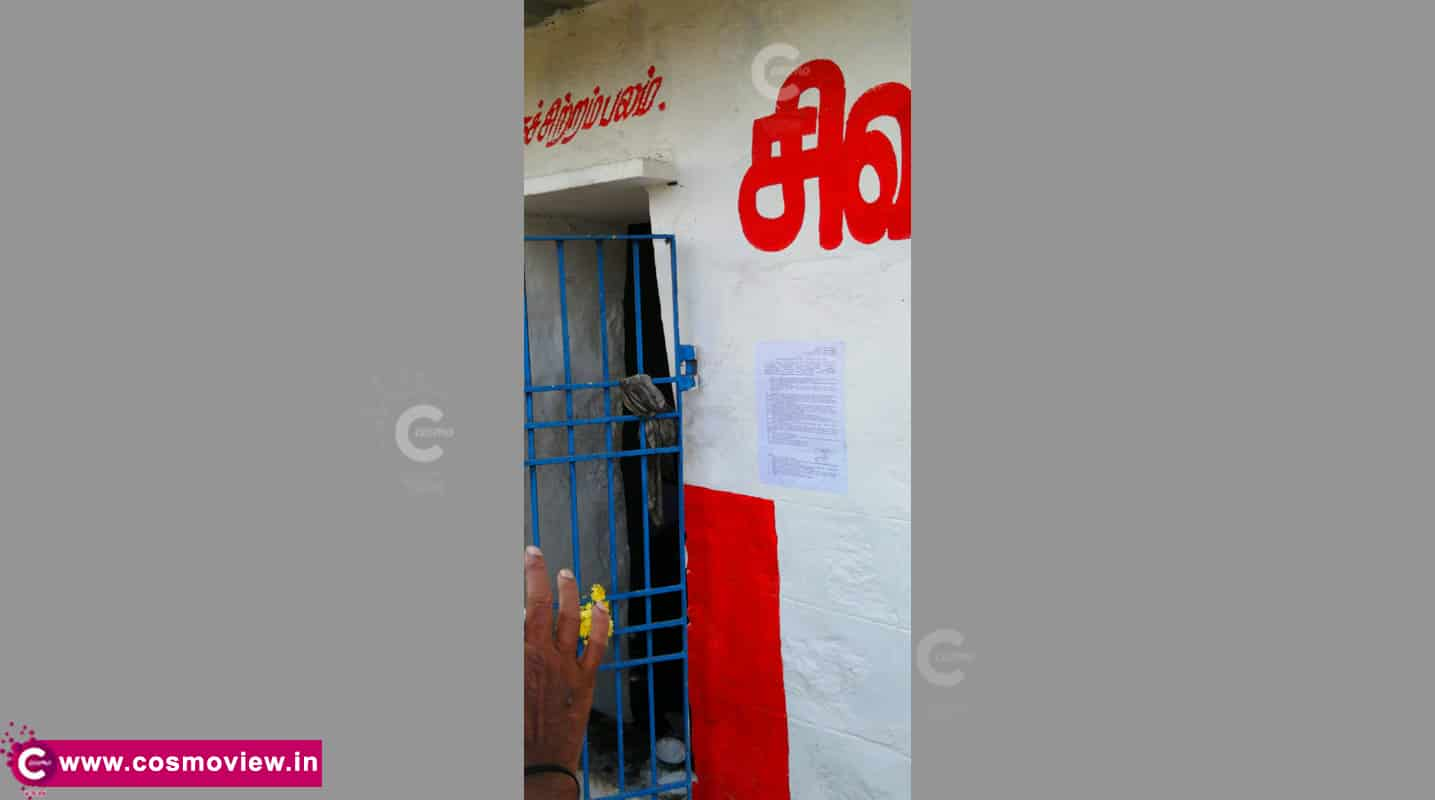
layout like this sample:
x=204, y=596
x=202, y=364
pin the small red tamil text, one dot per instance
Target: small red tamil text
x=565, y=117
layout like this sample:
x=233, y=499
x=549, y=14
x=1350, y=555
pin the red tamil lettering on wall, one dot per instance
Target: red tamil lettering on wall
x=566, y=118
x=836, y=160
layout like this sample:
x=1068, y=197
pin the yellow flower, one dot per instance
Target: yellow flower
x=585, y=624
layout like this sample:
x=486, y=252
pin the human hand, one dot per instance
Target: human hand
x=557, y=683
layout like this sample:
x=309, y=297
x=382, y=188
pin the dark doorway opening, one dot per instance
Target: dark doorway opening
x=658, y=565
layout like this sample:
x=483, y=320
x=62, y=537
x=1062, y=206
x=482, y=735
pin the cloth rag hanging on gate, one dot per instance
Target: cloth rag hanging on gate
x=643, y=399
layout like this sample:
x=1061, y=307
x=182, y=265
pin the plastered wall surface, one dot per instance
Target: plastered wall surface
x=844, y=559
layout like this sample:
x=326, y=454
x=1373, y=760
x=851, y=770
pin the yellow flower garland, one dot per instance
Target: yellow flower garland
x=585, y=624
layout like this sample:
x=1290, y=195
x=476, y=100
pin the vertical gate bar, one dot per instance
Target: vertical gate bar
x=528, y=408
x=568, y=411
x=647, y=537
x=612, y=512
x=682, y=522
x=572, y=466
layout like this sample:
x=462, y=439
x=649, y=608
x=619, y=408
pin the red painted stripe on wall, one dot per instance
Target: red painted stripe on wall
x=738, y=703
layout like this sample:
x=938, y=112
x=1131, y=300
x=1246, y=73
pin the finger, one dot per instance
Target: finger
x=538, y=597
x=597, y=638
x=568, y=614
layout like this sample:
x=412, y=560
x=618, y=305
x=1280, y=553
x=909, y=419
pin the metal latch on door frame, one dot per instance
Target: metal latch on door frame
x=687, y=377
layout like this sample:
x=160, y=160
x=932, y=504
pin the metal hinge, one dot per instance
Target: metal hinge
x=687, y=367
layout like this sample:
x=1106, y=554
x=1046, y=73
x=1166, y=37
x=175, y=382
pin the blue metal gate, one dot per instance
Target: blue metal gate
x=683, y=367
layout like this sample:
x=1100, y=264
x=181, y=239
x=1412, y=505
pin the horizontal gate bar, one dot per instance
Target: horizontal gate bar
x=651, y=626
x=565, y=423
x=648, y=792
x=639, y=662
x=602, y=237
x=651, y=451
x=638, y=594
x=568, y=387
x=654, y=592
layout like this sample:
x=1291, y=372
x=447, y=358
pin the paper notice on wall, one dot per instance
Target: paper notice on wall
x=802, y=431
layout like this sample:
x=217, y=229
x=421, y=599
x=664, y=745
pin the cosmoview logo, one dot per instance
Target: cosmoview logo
x=774, y=60
x=35, y=763
x=40, y=766
x=938, y=653
x=408, y=432
x=411, y=415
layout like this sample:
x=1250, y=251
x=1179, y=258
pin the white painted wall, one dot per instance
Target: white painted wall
x=844, y=560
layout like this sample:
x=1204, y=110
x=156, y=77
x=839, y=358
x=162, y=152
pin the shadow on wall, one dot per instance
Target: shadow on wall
x=536, y=11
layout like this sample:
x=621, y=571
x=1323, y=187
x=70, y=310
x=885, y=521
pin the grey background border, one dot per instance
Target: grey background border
x=1182, y=416
x=1173, y=403
x=232, y=233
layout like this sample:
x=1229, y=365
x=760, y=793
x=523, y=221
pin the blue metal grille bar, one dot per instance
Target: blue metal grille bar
x=640, y=589
x=649, y=661
x=651, y=791
x=647, y=537
x=639, y=593
x=572, y=467
x=679, y=347
x=528, y=410
x=641, y=452
x=602, y=237
x=606, y=384
x=612, y=519
x=652, y=626
x=565, y=423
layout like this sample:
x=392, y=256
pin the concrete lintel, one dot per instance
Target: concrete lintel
x=633, y=172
